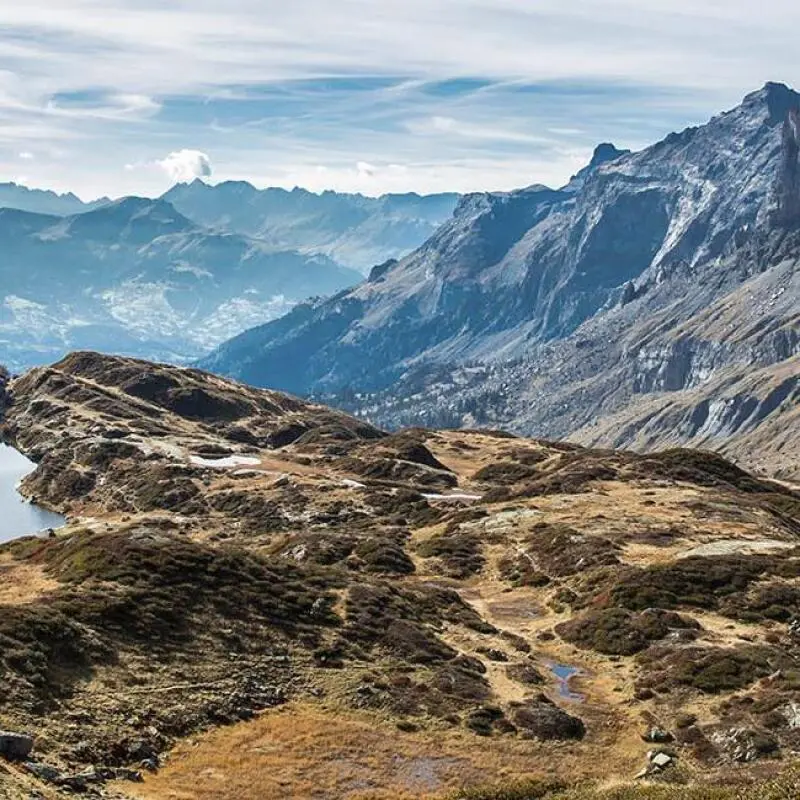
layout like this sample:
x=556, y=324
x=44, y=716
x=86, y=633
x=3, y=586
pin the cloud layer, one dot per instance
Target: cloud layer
x=418, y=94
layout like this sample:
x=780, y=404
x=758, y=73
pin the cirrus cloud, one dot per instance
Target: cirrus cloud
x=484, y=94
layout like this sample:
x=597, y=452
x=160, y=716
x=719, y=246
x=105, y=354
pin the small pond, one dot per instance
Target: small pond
x=564, y=674
x=18, y=517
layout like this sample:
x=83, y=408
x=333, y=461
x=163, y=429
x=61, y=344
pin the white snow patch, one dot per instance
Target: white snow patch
x=452, y=496
x=224, y=463
x=350, y=484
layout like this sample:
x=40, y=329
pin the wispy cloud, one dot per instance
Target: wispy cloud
x=458, y=94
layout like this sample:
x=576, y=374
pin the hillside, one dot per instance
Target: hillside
x=616, y=308
x=259, y=597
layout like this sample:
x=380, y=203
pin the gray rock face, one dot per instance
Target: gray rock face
x=549, y=311
x=15, y=745
x=514, y=269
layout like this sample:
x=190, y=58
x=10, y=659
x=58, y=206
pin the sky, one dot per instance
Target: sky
x=116, y=97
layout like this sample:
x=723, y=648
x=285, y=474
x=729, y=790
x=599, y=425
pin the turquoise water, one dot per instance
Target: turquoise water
x=17, y=517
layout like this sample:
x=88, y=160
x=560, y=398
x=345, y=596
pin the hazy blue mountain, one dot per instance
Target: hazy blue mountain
x=135, y=276
x=40, y=201
x=548, y=309
x=351, y=229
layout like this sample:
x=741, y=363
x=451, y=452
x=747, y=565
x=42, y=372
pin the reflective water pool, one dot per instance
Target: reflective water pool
x=17, y=517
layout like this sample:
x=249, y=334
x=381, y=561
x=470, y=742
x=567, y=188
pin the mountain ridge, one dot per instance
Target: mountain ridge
x=44, y=201
x=667, y=231
x=353, y=229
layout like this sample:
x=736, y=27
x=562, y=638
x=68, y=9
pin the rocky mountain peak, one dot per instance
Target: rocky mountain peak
x=604, y=153
x=778, y=98
x=781, y=101
x=517, y=279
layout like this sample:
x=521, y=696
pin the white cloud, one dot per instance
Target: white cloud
x=183, y=166
x=26, y=155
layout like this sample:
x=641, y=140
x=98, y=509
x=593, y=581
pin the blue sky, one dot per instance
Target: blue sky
x=126, y=96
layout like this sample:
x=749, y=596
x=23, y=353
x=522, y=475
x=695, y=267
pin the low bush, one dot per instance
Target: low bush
x=614, y=631
x=460, y=552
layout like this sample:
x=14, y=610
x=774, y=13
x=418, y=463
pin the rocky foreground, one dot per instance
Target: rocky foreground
x=256, y=597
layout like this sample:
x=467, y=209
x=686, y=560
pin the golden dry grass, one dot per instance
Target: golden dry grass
x=303, y=752
x=22, y=583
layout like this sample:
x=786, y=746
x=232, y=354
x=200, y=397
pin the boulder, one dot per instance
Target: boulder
x=542, y=719
x=660, y=760
x=15, y=745
x=658, y=736
x=43, y=772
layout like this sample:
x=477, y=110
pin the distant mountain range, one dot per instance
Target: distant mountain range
x=138, y=277
x=351, y=229
x=40, y=201
x=654, y=299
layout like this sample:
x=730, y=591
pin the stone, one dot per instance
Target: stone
x=661, y=760
x=493, y=654
x=15, y=745
x=658, y=736
x=43, y=772
x=131, y=775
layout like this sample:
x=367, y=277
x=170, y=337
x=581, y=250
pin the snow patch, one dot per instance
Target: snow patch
x=452, y=496
x=224, y=463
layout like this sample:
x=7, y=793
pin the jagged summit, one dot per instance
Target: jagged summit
x=779, y=99
x=606, y=152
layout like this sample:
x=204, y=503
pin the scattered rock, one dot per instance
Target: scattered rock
x=657, y=761
x=43, y=772
x=15, y=745
x=132, y=775
x=744, y=744
x=658, y=736
x=493, y=654
x=661, y=760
